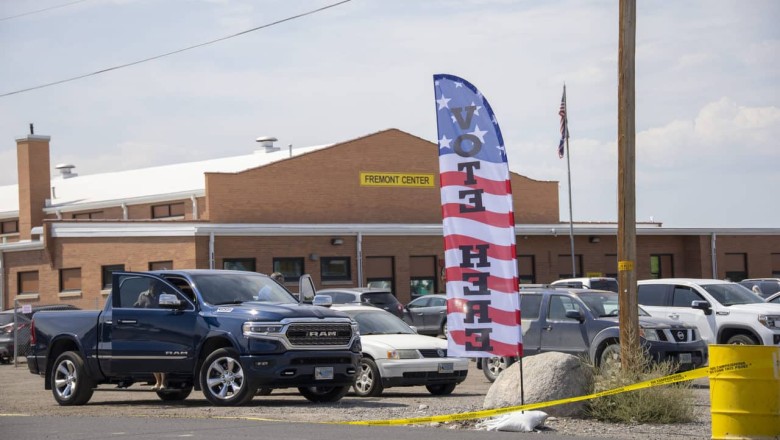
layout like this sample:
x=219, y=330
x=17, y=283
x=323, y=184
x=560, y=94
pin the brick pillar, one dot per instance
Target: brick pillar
x=32, y=153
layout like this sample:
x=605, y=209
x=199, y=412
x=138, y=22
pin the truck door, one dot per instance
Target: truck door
x=144, y=337
x=681, y=311
x=560, y=333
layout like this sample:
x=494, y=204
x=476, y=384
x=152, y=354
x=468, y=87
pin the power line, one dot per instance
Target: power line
x=314, y=11
x=41, y=10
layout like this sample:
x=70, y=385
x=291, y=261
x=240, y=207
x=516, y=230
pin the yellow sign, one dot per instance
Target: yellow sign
x=397, y=179
x=624, y=266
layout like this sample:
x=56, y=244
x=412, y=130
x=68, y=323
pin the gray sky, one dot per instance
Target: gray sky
x=707, y=94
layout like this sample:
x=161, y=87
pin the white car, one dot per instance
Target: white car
x=394, y=355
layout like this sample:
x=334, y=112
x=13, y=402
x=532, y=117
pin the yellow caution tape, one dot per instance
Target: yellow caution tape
x=674, y=378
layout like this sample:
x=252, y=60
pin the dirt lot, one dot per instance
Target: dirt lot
x=23, y=393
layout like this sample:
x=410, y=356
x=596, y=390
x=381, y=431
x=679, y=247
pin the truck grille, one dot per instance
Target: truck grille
x=319, y=334
x=677, y=335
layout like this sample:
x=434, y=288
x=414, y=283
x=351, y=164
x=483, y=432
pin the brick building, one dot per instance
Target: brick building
x=350, y=213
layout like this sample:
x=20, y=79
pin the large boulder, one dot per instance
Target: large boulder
x=546, y=377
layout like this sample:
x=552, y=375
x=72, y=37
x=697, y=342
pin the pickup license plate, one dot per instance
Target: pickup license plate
x=323, y=373
x=685, y=358
x=446, y=367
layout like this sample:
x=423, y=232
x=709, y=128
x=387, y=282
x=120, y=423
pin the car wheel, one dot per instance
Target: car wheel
x=742, y=340
x=610, y=357
x=444, y=333
x=441, y=389
x=324, y=394
x=493, y=366
x=70, y=384
x=368, y=382
x=174, y=395
x=264, y=391
x=222, y=379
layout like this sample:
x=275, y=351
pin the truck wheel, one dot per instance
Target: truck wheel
x=441, y=389
x=368, y=382
x=741, y=340
x=70, y=384
x=174, y=395
x=324, y=394
x=610, y=357
x=222, y=379
x=492, y=367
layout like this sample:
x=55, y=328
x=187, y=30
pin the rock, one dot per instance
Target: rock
x=546, y=377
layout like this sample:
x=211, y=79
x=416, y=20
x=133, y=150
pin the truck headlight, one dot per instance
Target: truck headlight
x=255, y=329
x=648, y=333
x=770, y=321
x=355, y=328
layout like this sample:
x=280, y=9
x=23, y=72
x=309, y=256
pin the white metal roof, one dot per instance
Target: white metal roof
x=164, y=182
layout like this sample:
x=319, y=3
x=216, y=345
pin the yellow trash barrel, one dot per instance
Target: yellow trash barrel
x=745, y=391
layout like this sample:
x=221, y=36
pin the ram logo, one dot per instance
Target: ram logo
x=321, y=334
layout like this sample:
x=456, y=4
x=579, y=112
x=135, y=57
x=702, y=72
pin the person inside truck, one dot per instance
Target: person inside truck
x=149, y=299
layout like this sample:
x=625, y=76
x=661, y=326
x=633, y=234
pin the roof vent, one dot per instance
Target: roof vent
x=66, y=170
x=268, y=143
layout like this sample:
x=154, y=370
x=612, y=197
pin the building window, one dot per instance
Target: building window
x=422, y=276
x=107, y=271
x=9, y=227
x=612, y=264
x=245, y=264
x=168, y=210
x=95, y=215
x=379, y=272
x=564, y=266
x=736, y=266
x=161, y=265
x=291, y=268
x=526, y=274
x=775, y=261
x=70, y=280
x=335, y=269
x=661, y=266
x=28, y=282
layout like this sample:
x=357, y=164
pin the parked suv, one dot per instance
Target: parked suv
x=766, y=286
x=382, y=298
x=722, y=311
x=584, y=322
x=601, y=283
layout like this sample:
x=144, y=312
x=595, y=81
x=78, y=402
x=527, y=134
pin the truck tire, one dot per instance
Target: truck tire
x=174, y=395
x=368, y=382
x=324, y=394
x=70, y=384
x=441, y=389
x=222, y=379
x=742, y=339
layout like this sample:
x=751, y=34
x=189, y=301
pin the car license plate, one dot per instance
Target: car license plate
x=323, y=373
x=685, y=358
x=447, y=367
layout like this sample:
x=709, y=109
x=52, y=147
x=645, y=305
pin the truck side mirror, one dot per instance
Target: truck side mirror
x=703, y=306
x=306, y=290
x=169, y=301
x=575, y=314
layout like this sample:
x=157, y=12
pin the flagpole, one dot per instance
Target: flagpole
x=568, y=169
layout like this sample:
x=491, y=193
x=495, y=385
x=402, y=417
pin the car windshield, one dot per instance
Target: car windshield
x=379, y=323
x=732, y=294
x=604, y=304
x=236, y=288
x=604, y=284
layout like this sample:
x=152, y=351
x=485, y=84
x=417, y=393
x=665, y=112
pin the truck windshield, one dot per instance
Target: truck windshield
x=237, y=288
x=604, y=303
x=732, y=294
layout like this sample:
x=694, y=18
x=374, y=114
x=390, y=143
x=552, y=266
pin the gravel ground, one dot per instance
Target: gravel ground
x=23, y=393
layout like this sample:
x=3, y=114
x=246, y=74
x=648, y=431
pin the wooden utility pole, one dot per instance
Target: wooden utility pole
x=629, y=313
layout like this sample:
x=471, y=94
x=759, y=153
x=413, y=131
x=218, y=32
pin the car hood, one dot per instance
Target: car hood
x=758, y=308
x=403, y=342
x=263, y=311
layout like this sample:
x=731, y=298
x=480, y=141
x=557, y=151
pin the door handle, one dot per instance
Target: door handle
x=674, y=315
x=108, y=321
x=127, y=321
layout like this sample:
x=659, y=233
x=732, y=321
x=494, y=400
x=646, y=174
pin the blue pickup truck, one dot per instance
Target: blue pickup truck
x=229, y=334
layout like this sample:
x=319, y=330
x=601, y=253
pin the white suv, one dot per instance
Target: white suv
x=724, y=312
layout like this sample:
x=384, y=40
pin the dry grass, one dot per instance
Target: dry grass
x=661, y=404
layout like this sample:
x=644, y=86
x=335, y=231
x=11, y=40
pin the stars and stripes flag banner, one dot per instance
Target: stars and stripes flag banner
x=564, y=124
x=483, y=310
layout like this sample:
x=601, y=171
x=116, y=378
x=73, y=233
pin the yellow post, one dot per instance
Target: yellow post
x=745, y=391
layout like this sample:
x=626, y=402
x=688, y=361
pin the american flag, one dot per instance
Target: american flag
x=483, y=310
x=564, y=123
